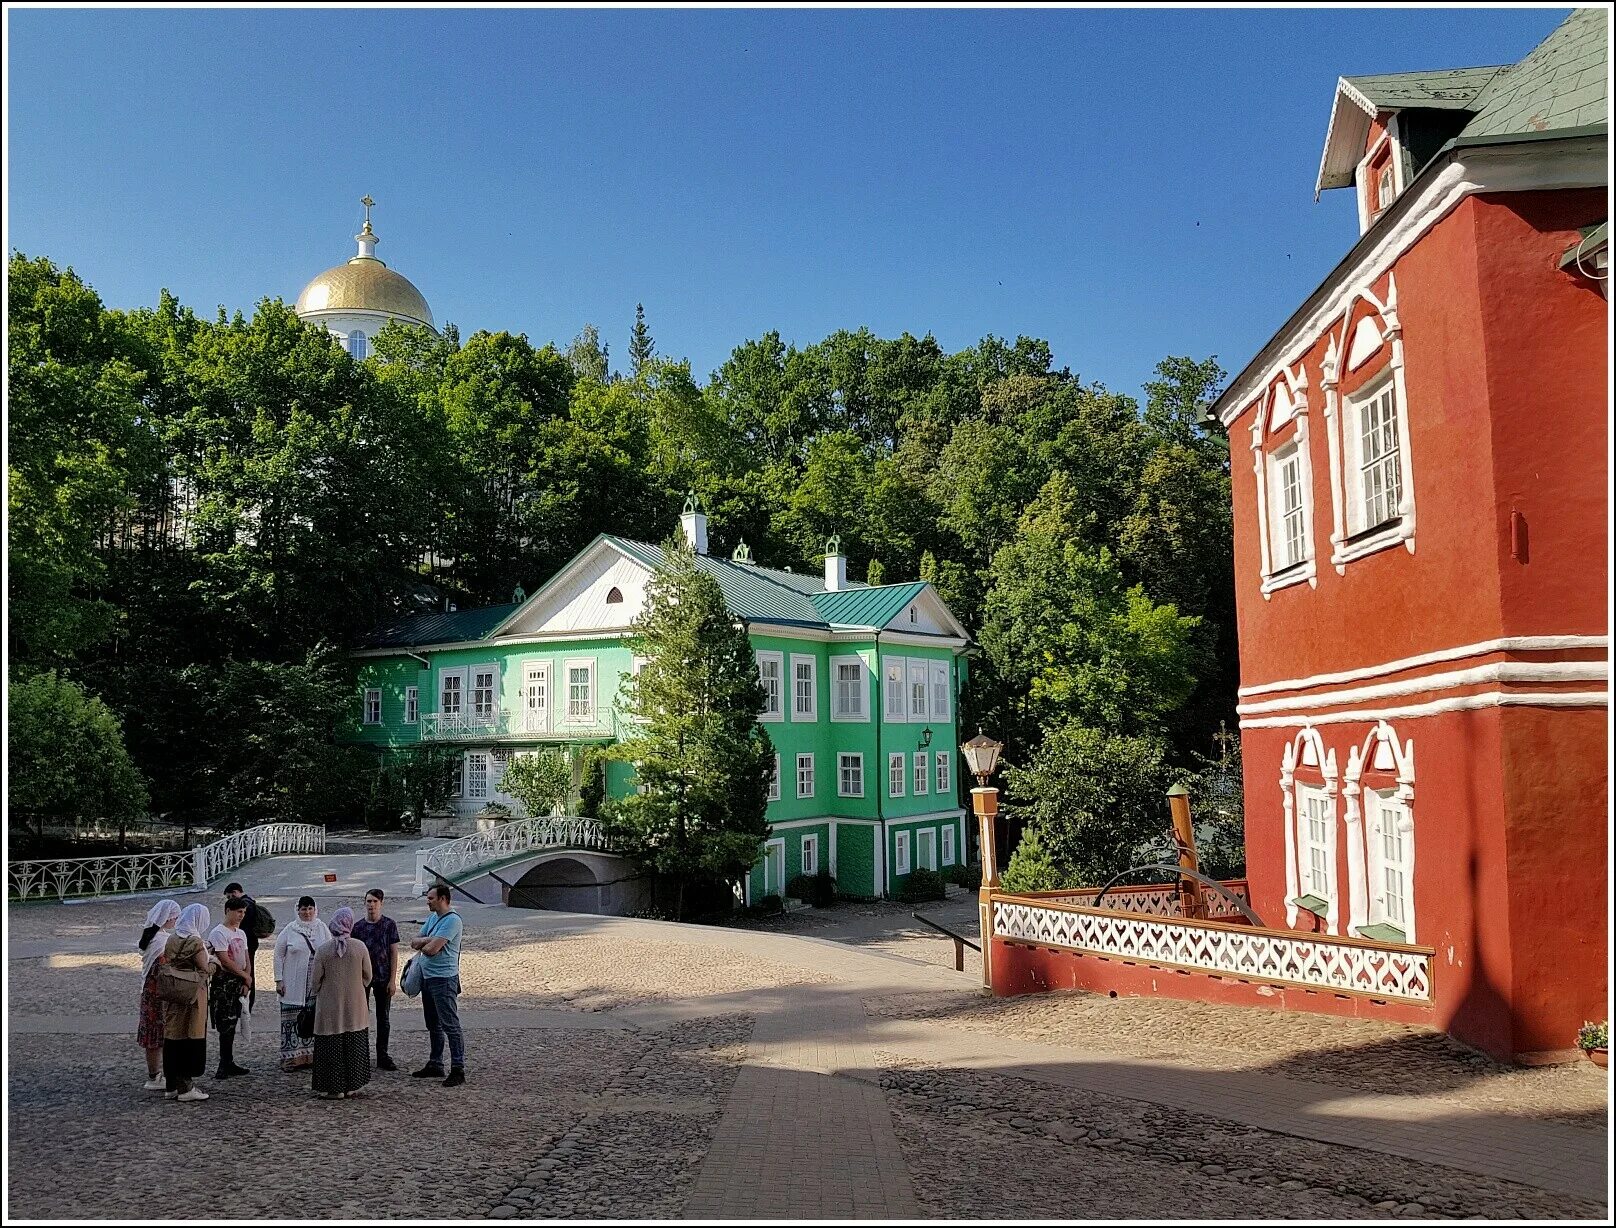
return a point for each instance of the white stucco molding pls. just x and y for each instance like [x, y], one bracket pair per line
[1510, 643]
[1437, 707]
[1495, 672]
[1382, 751]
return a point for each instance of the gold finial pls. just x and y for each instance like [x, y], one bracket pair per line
[369, 204]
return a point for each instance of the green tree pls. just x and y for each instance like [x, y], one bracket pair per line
[590, 359]
[541, 780]
[702, 761]
[1032, 869]
[640, 345]
[67, 754]
[1093, 799]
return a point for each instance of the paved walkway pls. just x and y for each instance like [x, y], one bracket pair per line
[806, 1130]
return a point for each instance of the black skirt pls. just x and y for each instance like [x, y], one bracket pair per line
[342, 1062]
[184, 1060]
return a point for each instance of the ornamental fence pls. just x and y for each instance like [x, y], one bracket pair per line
[1151, 900]
[507, 840]
[132, 873]
[1244, 952]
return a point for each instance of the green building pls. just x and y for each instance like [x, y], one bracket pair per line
[862, 681]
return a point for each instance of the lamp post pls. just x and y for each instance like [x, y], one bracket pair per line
[982, 755]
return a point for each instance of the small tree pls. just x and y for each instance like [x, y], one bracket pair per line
[540, 780]
[702, 761]
[67, 754]
[640, 345]
[418, 779]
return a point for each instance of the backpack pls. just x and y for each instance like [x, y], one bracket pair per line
[178, 984]
[263, 921]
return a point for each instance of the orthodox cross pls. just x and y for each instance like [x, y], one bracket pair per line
[1224, 739]
[368, 203]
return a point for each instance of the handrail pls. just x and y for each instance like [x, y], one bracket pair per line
[960, 941]
[451, 882]
[1241, 905]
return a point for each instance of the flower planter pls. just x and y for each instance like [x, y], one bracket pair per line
[1599, 1057]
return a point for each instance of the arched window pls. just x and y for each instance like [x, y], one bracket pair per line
[1380, 796]
[1308, 781]
[615, 597]
[356, 345]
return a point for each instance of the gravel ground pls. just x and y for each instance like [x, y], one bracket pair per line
[551, 1124]
[1081, 1158]
[1368, 1055]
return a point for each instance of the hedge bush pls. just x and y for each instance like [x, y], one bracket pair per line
[923, 885]
[816, 889]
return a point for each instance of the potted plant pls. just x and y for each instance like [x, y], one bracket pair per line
[1594, 1041]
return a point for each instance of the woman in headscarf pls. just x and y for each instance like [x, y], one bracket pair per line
[342, 969]
[294, 961]
[160, 922]
[185, 1025]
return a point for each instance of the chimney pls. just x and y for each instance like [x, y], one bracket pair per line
[694, 524]
[835, 566]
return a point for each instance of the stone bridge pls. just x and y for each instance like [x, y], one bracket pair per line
[556, 862]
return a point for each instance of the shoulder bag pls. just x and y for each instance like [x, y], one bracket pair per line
[305, 1013]
[410, 979]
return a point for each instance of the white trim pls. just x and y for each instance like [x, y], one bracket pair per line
[1485, 699]
[774, 780]
[365, 715]
[1498, 671]
[946, 835]
[941, 674]
[926, 838]
[920, 772]
[821, 820]
[802, 853]
[922, 667]
[862, 716]
[1307, 749]
[849, 754]
[812, 714]
[1501, 168]
[767, 845]
[900, 715]
[776, 714]
[902, 857]
[813, 773]
[943, 773]
[915, 639]
[896, 759]
[538, 667]
[412, 692]
[830, 859]
[1512, 643]
[567, 717]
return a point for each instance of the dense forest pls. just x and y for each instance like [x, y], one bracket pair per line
[205, 512]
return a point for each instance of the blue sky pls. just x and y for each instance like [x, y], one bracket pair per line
[1125, 183]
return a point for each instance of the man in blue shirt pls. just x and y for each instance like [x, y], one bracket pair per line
[439, 945]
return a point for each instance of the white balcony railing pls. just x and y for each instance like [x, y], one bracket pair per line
[486, 848]
[1285, 957]
[132, 873]
[502, 723]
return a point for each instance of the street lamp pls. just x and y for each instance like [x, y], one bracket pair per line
[982, 756]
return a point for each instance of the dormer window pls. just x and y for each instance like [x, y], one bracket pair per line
[615, 597]
[1385, 189]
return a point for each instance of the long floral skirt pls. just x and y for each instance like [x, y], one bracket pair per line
[342, 1062]
[149, 1035]
[296, 1052]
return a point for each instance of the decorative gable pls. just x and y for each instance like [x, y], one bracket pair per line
[602, 589]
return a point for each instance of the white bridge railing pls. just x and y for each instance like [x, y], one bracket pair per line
[486, 848]
[132, 873]
[1285, 957]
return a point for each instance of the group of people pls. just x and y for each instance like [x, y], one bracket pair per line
[195, 973]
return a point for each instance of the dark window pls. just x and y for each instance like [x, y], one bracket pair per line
[615, 597]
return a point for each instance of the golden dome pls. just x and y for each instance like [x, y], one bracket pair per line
[365, 284]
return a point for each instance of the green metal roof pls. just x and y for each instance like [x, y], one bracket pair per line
[866, 607]
[1592, 239]
[1442, 90]
[757, 594]
[453, 627]
[1560, 83]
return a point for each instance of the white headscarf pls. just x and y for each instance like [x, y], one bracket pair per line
[194, 921]
[161, 915]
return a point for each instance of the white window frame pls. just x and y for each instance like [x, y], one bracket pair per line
[945, 764]
[412, 705]
[810, 854]
[358, 345]
[457, 789]
[1306, 845]
[537, 718]
[941, 700]
[773, 710]
[373, 699]
[774, 781]
[486, 760]
[896, 773]
[895, 690]
[460, 692]
[1289, 529]
[474, 672]
[926, 849]
[900, 852]
[811, 712]
[805, 775]
[580, 718]
[919, 692]
[922, 772]
[1381, 389]
[860, 711]
[948, 844]
[850, 773]
[1384, 804]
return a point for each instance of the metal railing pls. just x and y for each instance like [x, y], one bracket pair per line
[466, 726]
[960, 940]
[508, 840]
[132, 873]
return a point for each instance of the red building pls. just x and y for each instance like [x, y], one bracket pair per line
[1421, 551]
[1421, 561]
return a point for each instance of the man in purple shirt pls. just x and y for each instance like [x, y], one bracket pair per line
[380, 937]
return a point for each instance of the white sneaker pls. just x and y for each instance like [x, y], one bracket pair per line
[196, 1093]
[171, 1095]
[153, 1085]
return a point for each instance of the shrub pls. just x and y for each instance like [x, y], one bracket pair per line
[540, 780]
[1594, 1035]
[816, 889]
[923, 885]
[67, 753]
[769, 905]
[1031, 868]
[968, 876]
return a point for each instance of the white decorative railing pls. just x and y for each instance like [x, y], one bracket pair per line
[501, 723]
[486, 848]
[1314, 961]
[125, 874]
[1154, 900]
[131, 873]
[447, 726]
[264, 840]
